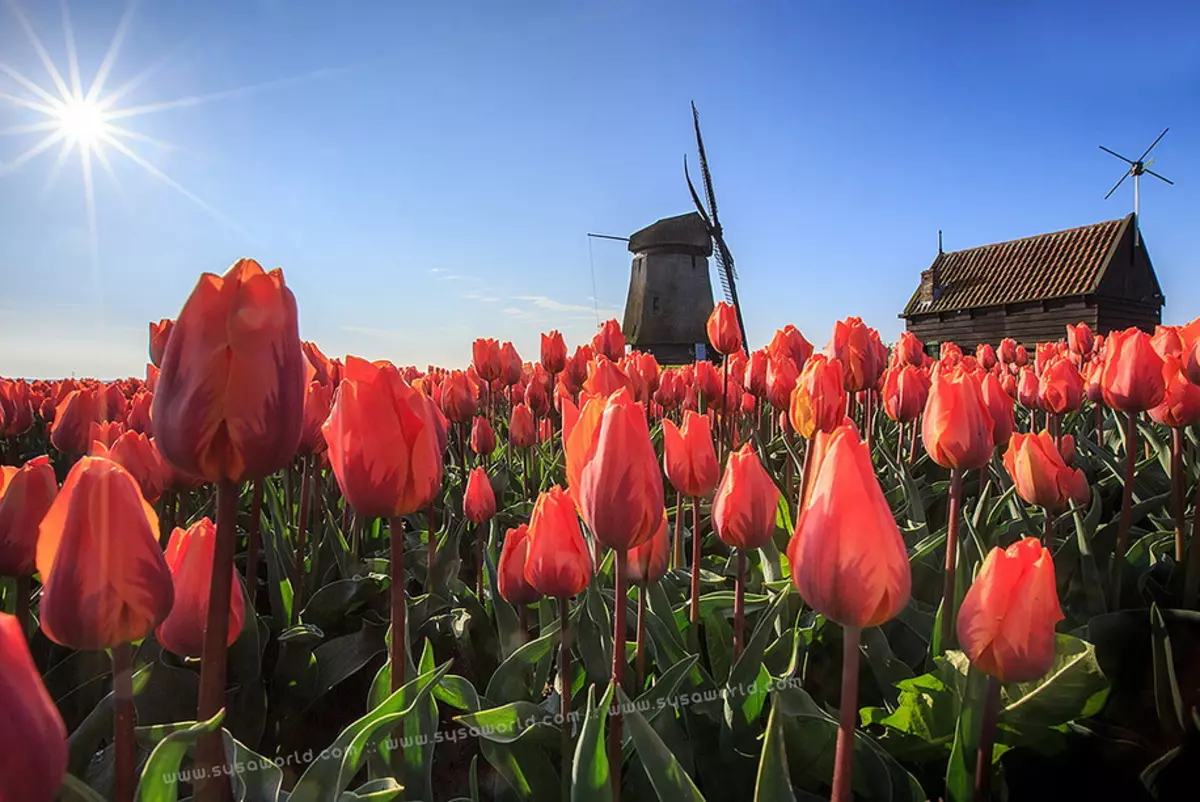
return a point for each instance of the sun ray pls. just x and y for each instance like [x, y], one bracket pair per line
[125, 133]
[32, 36]
[85, 152]
[30, 128]
[63, 154]
[110, 57]
[50, 99]
[72, 53]
[33, 152]
[198, 100]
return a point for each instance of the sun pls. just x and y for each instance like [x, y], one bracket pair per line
[82, 123]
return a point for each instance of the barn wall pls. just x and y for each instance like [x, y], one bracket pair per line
[1027, 323]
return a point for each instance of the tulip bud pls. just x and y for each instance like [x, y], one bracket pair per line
[230, 399]
[486, 359]
[1006, 622]
[1008, 351]
[139, 455]
[557, 563]
[905, 389]
[554, 352]
[1132, 377]
[789, 343]
[34, 738]
[957, 427]
[510, 578]
[25, 498]
[483, 437]
[782, 375]
[521, 430]
[689, 459]
[139, 420]
[1041, 475]
[479, 500]
[160, 334]
[318, 400]
[1000, 407]
[510, 365]
[648, 562]
[818, 403]
[747, 499]
[1061, 388]
[986, 355]
[847, 557]
[723, 330]
[609, 341]
[1080, 339]
[18, 415]
[105, 581]
[190, 556]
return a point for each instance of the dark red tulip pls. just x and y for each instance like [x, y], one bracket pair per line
[24, 501]
[483, 437]
[160, 334]
[554, 352]
[34, 739]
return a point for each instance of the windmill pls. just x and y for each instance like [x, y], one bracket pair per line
[1137, 169]
[725, 268]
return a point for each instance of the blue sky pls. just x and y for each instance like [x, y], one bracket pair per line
[425, 173]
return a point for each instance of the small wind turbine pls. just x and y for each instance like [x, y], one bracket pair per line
[1137, 169]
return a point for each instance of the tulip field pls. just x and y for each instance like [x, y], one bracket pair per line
[856, 571]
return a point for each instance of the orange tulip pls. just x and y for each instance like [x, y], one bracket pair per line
[604, 377]
[818, 402]
[73, 419]
[1040, 473]
[139, 420]
[782, 376]
[950, 355]
[1028, 388]
[648, 562]
[105, 581]
[106, 433]
[910, 350]
[1006, 623]
[747, 499]
[1167, 341]
[521, 430]
[788, 342]
[483, 437]
[1022, 357]
[554, 352]
[190, 558]
[708, 383]
[577, 367]
[609, 341]
[139, 455]
[1061, 387]
[1180, 406]
[854, 344]
[957, 427]
[486, 359]
[723, 330]
[479, 500]
[33, 743]
[510, 573]
[847, 557]
[1132, 377]
[385, 443]
[905, 389]
[1000, 406]
[160, 335]
[689, 458]
[557, 563]
[613, 472]
[320, 368]
[1045, 353]
[24, 501]
[318, 400]
[18, 415]
[230, 399]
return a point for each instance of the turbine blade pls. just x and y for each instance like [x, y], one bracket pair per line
[1114, 153]
[1122, 181]
[1160, 177]
[1155, 142]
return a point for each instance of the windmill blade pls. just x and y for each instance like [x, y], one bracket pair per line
[1119, 183]
[1155, 142]
[696, 198]
[1118, 155]
[1160, 177]
[704, 172]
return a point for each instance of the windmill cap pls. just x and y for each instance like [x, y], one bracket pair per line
[684, 233]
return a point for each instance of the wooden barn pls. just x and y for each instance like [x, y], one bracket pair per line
[1030, 289]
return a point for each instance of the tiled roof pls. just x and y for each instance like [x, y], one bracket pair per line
[1062, 263]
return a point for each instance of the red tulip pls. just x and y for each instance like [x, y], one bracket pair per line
[723, 330]
[1006, 623]
[789, 343]
[1132, 378]
[999, 403]
[986, 355]
[847, 557]
[483, 437]
[747, 499]
[782, 376]
[613, 472]
[1061, 387]
[1167, 341]
[139, 420]
[1008, 351]
[554, 352]
[1041, 475]
[755, 379]
[1080, 339]
[957, 427]
[604, 377]
[479, 501]
[320, 368]
[1180, 406]
[1190, 336]
[139, 455]
[557, 563]
[905, 389]
[190, 557]
[230, 399]
[105, 581]
[818, 404]
[1028, 388]
[33, 744]
[25, 497]
[385, 442]
[1022, 357]
[459, 397]
[510, 573]
[950, 355]
[160, 334]
[536, 399]
[510, 364]
[318, 400]
[609, 341]
[521, 430]
[648, 562]
[577, 367]
[910, 350]
[708, 383]
[73, 419]
[689, 458]
[18, 415]
[854, 344]
[486, 359]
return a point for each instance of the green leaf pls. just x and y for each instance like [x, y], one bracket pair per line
[590, 780]
[335, 768]
[511, 682]
[526, 768]
[663, 693]
[1167, 699]
[85, 740]
[458, 692]
[509, 722]
[774, 784]
[332, 603]
[255, 778]
[670, 781]
[1073, 688]
[381, 790]
[76, 790]
[160, 776]
[960, 772]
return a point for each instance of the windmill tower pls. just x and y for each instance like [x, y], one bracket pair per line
[670, 291]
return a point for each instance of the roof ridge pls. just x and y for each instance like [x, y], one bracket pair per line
[1046, 235]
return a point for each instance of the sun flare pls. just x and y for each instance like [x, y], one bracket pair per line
[81, 122]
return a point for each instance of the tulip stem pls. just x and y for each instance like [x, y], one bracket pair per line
[948, 588]
[739, 606]
[1177, 482]
[431, 554]
[640, 663]
[987, 735]
[210, 750]
[479, 562]
[912, 445]
[677, 545]
[254, 541]
[900, 442]
[848, 716]
[1099, 426]
[564, 695]
[302, 527]
[618, 667]
[1191, 581]
[124, 767]
[1126, 519]
[399, 634]
[24, 588]
[694, 616]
